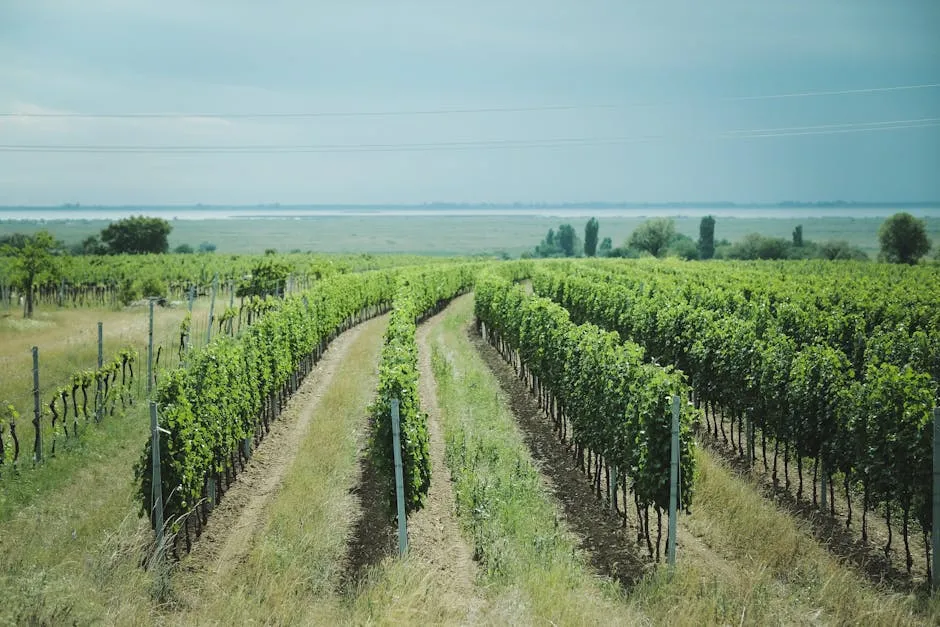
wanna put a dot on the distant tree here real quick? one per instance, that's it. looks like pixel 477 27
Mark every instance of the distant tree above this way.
pixel 14 240
pixel 91 245
pixel 207 247
pixel 184 249
pixel 903 239
pixel 270 251
pixel 653 236
pixel 840 249
pixel 624 252
pixel 566 239
pixel 706 238
pixel 798 236
pixel 590 237
pixel 137 235
pixel 548 247
pixel 33 263
pixel 757 246
pixel 606 245
pixel 684 247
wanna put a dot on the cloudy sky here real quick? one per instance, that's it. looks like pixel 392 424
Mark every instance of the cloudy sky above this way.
pixel 655 93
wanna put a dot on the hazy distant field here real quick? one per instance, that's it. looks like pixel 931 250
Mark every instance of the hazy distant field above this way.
pixel 445 235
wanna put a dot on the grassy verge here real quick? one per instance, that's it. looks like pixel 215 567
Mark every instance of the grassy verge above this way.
pixel 742 559
pixel 67 340
pixel 98 447
pixel 72 554
pixel 534 573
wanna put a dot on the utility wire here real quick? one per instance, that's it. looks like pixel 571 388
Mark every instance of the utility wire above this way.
pixel 559 142
pixel 457 111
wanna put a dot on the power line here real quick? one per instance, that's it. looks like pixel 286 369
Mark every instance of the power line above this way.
pixel 833 126
pixel 559 142
pixel 457 111
pixel 841 92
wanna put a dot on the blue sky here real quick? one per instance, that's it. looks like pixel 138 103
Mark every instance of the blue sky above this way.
pixel 672 69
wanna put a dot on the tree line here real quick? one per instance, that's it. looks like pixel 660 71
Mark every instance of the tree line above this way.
pixel 902 239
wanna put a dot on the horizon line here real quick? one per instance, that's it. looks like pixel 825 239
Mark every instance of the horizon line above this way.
pixel 497 204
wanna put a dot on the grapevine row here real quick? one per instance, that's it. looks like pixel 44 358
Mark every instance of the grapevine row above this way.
pixel 220 402
pixel 869 426
pixel 95 280
pixel 112 382
pixel 616 407
pixel 419 293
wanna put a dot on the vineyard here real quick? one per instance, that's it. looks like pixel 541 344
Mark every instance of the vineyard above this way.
pixel 94 281
pixel 664 386
pixel 836 366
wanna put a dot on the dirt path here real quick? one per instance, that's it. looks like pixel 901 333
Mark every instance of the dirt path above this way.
pixel 609 546
pixel 229 536
pixel 434 533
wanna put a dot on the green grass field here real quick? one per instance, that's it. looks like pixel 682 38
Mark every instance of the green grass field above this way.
pixel 455 235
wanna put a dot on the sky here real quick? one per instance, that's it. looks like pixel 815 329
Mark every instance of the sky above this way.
pixel 656 94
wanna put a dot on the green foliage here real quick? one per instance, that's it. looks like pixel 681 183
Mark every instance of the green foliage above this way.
pixel 798 235
pixel 153 287
pixel 605 248
pixel 268 278
pixel 33 262
pixel 91 245
pixel 590 237
pixel 653 236
pixel 398 379
pixel 207 247
pixel 840 250
pixel 706 238
pixel 137 235
pixel 184 249
pixel 757 246
pixel 418 294
pixel 838 363
pixel 618 406
pixel 129 290
pixel 567 239
pixel 683 247
pixel 8 418
pixel 13 240
pixel 903 239
pixel 186 324
pixel 224 392
pixel 563 243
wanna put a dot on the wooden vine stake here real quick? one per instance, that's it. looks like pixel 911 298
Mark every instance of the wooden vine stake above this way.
pixel 37 448
pixel 673 483
pixel 100 401
pixel 399 480
pixel 215 287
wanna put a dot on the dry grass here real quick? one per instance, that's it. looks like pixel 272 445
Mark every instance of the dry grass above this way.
pixel 743 560
pixel 74 554
pixel 533 571
pixel 68 342
pixel 294 569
